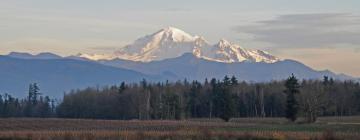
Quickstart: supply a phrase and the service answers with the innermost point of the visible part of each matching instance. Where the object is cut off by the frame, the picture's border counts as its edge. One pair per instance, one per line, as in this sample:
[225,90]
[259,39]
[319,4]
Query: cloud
[306,30]
[339,60]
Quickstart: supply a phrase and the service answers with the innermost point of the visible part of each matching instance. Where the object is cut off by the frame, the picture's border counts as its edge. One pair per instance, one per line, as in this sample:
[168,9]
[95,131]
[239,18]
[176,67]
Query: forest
[214,98]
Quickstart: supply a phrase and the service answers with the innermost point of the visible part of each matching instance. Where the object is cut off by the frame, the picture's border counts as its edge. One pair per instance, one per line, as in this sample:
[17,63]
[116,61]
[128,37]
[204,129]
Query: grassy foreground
[197,129]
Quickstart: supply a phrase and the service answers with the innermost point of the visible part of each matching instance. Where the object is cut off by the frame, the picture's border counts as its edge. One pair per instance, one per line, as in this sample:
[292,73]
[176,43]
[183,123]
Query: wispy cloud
[340,60]
[307,30]
[320,40]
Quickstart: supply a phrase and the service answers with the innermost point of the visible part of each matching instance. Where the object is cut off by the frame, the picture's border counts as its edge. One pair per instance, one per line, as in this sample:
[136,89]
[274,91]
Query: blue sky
[324,34]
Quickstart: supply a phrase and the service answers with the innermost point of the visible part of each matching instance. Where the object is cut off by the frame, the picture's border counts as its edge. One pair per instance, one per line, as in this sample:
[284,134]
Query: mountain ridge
[168,54]
[42,55]
[56,76]
[122,63]
[171,42]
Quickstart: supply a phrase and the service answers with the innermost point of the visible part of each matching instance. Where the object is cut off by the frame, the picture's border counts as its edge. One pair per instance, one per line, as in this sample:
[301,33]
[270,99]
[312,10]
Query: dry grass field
[196,129]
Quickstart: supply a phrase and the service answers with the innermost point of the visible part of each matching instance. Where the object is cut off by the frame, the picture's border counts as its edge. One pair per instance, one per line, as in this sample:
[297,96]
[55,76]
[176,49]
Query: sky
[323,34]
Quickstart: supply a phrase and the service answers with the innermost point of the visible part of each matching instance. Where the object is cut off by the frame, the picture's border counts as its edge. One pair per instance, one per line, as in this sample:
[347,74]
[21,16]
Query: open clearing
[240,128]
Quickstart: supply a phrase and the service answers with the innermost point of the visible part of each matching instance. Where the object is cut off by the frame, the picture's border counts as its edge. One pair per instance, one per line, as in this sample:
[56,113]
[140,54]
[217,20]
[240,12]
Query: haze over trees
[215,98]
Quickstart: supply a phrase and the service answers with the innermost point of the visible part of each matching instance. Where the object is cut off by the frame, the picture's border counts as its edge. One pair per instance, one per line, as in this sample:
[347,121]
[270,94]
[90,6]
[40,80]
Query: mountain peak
[173,34]
[224,43]
[171,42]
[170,28]
[223,40]
[173,30]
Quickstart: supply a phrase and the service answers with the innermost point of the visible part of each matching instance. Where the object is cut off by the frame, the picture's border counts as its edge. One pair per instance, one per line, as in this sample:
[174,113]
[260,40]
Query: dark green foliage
[227,107]
[193,104]
[292,105]
[34,93]
[171,107]
[122,87]
[185,99]
[212,99]
[34,105]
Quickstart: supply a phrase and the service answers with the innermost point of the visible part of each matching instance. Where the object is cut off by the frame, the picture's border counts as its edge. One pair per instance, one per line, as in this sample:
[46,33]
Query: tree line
[35,105]
[215,98]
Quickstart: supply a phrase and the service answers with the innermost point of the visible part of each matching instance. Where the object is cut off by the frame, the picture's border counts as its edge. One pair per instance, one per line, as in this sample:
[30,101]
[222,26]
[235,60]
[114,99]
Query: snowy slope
[227,52]
[94,57]
[171,42]
[166,43]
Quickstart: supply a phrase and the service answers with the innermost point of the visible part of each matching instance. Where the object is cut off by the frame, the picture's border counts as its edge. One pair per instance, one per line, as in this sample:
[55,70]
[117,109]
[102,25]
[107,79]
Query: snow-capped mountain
[227,52]
[166,43]
[171,42]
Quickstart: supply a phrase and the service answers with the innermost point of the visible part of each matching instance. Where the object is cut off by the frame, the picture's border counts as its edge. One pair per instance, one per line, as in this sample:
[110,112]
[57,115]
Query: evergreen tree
[32,104]
[1,105]
[226,101]
[331,81]
[326,81]
[122,87]
[292,88]
[192,104]
[34,93]
[30,93]
[234,81]
[226,81]
[212,98]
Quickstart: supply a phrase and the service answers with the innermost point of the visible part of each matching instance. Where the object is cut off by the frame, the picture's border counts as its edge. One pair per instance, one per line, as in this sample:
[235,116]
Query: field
[196,129]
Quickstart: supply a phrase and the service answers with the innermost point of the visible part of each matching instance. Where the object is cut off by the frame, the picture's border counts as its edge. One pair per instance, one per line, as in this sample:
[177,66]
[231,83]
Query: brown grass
[171,135]
[200,129]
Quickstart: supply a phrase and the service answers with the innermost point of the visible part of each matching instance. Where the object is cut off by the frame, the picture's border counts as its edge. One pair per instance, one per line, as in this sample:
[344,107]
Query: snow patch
[171,42]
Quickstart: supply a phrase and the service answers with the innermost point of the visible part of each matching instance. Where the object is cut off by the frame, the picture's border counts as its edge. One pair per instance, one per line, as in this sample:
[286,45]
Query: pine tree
[226,81]
[1,106]
[34,93]
[30,93]
[292,88]
[192,108]
[226,101]
[234,81]
[326,81]
[122,87]
[212,104]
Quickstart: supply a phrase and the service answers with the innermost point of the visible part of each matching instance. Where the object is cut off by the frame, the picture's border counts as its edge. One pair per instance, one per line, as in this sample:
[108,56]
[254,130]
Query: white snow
[171,42]
[227,52]
[96,57]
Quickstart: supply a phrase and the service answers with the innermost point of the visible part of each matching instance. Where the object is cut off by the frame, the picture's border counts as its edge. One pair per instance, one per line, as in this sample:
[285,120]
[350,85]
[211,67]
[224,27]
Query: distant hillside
[194,68]
[55,76]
